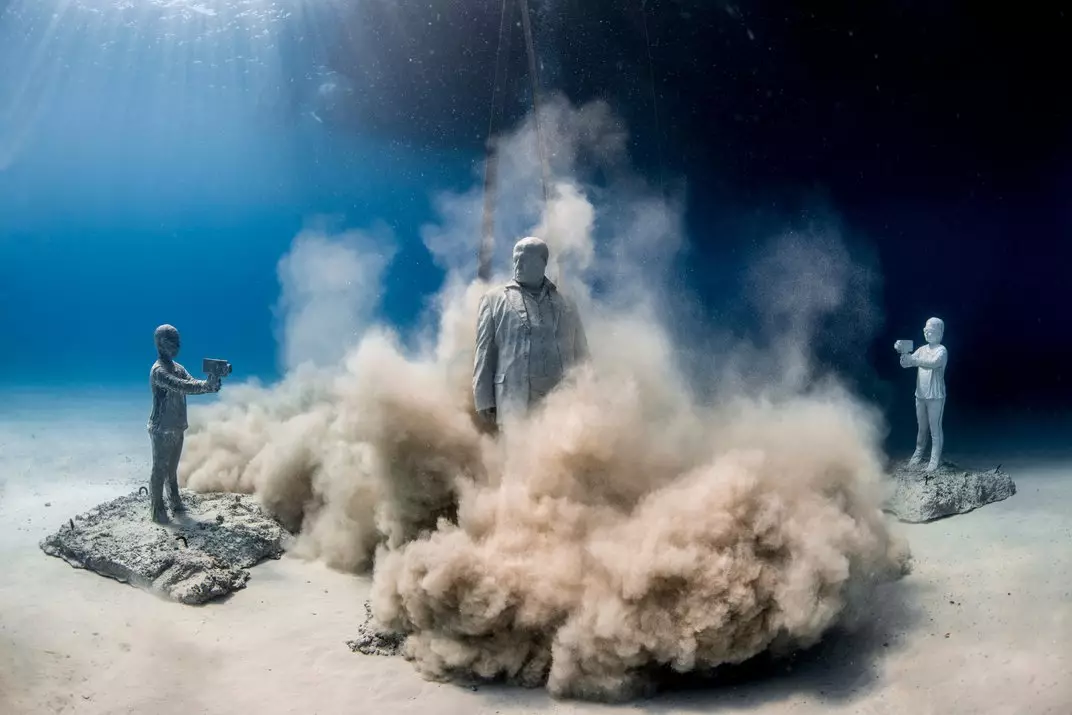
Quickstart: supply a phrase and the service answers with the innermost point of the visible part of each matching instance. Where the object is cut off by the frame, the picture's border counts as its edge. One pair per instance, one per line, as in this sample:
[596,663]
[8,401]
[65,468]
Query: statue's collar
[546,286]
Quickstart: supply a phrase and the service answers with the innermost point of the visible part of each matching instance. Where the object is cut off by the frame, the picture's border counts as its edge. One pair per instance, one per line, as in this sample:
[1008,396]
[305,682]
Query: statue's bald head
[537,245]
[530,261]
[167,340]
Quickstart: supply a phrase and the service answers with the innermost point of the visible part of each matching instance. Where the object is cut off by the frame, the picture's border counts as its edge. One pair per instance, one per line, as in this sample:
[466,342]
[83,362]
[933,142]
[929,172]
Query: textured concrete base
[371,640]
[199,556]
[920,497]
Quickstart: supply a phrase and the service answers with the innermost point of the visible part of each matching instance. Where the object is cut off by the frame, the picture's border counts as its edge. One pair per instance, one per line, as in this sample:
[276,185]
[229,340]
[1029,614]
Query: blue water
[149,177]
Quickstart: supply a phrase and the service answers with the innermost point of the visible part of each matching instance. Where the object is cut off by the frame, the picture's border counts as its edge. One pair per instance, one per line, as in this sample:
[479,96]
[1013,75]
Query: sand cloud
[629,526]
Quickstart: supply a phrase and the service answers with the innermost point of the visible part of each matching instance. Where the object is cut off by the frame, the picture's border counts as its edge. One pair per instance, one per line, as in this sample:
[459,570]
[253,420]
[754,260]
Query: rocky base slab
[201,555]
[919,497]
[372,640]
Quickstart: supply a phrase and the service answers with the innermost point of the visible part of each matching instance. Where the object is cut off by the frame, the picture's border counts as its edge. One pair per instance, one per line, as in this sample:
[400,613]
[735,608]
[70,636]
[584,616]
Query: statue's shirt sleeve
[170,388]
[486,358]
[930,376]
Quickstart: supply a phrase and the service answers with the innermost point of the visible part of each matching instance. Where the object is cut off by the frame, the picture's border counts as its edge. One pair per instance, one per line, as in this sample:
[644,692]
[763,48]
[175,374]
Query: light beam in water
[172,64]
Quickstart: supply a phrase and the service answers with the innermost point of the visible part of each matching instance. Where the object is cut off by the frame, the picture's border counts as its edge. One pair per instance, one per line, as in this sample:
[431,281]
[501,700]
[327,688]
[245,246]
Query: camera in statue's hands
[216,371]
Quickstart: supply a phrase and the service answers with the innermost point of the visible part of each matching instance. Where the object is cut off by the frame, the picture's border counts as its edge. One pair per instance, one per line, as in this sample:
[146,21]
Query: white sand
[983,624]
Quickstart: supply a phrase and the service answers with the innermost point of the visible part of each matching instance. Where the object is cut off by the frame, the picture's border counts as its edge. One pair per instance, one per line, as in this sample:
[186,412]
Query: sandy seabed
[983,624]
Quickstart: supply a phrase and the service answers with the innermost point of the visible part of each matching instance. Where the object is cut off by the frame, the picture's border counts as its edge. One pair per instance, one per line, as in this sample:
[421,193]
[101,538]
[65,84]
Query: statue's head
[934,330]
[530,261]
[167,340]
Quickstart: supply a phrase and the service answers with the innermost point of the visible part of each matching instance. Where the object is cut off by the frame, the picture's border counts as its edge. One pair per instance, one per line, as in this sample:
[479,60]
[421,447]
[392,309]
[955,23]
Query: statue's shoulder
[172,368]
[497,294]
[561,298]
[566,299]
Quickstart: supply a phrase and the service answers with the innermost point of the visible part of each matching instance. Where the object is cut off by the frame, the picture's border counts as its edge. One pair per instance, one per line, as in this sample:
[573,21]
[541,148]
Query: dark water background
[156,161]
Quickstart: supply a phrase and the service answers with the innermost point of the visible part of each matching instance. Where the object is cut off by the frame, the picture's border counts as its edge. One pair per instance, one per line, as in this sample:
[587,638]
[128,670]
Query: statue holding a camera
[931,360]
[170,384]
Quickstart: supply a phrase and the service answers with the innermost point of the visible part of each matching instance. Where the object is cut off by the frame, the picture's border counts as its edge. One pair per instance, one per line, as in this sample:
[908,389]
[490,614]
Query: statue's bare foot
[178,508]
[931,467]
[160,517]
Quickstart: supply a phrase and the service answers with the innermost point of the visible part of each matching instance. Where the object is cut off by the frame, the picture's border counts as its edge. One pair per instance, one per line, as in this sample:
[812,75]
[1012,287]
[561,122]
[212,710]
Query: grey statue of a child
[931,360]
[170,384]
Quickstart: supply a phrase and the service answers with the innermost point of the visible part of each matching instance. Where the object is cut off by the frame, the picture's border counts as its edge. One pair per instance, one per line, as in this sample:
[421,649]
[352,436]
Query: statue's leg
[156,481]
[174,452]
[935,410]
[922,423]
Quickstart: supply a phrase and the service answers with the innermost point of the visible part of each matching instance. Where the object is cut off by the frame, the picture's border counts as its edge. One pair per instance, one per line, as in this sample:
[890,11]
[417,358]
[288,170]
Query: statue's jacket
[170,384]
[503,347]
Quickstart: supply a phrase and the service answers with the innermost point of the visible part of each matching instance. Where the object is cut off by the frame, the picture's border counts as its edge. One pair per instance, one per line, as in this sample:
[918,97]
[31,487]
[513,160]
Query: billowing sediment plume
[616,541]
[626,527]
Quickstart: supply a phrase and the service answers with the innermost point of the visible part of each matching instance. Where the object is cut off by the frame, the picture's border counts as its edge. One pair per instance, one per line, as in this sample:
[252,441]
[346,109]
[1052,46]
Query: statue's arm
[939,359]
[176,383]
[484,363]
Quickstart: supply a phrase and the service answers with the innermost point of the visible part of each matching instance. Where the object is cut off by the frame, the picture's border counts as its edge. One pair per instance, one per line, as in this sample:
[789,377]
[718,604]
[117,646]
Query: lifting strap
[491,159]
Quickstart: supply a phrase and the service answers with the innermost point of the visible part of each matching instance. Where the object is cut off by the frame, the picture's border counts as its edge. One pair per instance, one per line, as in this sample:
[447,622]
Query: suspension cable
[530,48]
[491,157]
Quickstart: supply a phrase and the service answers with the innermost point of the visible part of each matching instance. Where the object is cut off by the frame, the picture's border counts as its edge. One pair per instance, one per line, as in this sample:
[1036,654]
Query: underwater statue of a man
[931,360]
[170,384]
[528,337]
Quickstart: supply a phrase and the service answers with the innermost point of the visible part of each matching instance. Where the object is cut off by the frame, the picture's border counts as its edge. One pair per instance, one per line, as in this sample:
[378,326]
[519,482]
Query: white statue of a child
[931,360]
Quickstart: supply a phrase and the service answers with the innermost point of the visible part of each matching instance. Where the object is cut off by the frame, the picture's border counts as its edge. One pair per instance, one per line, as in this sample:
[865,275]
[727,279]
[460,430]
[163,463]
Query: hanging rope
[491,159]
[530,49]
